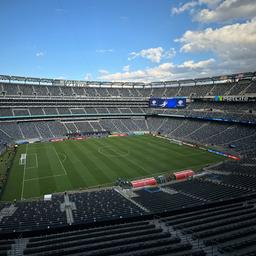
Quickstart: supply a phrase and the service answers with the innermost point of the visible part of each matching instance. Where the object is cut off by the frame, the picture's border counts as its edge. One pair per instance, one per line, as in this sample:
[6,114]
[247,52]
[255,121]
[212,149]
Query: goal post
[23,158]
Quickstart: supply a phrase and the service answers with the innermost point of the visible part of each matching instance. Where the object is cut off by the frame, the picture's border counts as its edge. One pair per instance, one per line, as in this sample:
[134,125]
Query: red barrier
[79,138]
[144,182]
[56,140]
[118,135]
[183,174]
[234,157]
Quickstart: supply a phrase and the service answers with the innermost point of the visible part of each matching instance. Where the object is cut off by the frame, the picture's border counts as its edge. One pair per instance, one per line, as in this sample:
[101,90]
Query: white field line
[119,155]
[33,167]
[23,179]
[65,171]
[45,177]
[36,161]
[65,157]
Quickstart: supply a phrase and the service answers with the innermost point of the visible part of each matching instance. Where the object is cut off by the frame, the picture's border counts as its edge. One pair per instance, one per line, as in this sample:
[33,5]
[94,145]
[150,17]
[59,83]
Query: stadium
[101,167]
[89,147]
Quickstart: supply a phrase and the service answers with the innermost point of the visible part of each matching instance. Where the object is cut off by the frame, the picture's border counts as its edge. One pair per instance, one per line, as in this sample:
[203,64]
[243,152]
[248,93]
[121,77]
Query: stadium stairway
[129,194]
[18,247]
[5,246]
[68,206]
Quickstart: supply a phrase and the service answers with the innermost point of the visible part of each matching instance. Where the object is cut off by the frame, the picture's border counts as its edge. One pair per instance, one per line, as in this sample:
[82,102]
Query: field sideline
[71,165]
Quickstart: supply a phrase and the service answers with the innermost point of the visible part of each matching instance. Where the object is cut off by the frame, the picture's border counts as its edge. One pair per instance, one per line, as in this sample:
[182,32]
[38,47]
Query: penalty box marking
[31,167]
[57,155]
[51,176]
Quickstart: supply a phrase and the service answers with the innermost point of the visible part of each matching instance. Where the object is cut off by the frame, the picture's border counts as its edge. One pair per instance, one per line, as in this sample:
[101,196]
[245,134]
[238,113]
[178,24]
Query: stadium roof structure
[48,81]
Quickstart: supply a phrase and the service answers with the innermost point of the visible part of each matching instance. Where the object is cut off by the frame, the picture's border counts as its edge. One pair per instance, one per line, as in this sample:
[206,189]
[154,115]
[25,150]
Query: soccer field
[71,165]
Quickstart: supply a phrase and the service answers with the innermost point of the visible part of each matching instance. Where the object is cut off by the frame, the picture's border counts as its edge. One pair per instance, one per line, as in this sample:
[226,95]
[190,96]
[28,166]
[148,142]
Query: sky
[127,40]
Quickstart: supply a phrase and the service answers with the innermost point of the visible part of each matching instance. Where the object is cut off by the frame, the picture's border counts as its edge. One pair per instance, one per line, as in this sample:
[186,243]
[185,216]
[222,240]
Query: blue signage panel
[167,103]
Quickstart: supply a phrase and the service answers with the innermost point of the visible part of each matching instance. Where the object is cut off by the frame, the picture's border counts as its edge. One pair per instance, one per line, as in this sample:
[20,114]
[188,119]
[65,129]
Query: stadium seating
[210,214]
[102,205]
[220,228]
[134,238]
[160,201]
[32,215]
[219,134]
[226,229]
[207,190]
[228,88]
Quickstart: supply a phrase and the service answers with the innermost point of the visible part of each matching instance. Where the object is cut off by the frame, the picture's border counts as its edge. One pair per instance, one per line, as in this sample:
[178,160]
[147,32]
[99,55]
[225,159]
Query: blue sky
[126,40]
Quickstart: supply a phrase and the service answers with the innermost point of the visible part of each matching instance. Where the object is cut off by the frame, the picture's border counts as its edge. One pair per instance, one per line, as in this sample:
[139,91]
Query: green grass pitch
[71,165]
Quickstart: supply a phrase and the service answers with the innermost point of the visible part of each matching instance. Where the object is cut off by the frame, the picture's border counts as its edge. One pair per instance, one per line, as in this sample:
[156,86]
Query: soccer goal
[23,158]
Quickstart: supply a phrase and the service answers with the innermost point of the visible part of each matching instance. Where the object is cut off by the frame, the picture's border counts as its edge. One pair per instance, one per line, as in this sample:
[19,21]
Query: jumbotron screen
[167,102]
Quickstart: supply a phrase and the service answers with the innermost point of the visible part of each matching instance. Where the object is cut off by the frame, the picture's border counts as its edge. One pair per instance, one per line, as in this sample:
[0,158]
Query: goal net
[23,158]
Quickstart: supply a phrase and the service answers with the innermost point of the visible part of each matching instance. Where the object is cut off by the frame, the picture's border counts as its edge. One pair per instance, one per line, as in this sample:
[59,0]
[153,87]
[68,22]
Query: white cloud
[165,71]
[210,3]
[228,10]
[159,72]
[218,10]
[236,41]
[104,50]
[190,64]
[169,53]
[126,68]
[184,7]
[192,5]
[233,45]
[40,54]
[153,54]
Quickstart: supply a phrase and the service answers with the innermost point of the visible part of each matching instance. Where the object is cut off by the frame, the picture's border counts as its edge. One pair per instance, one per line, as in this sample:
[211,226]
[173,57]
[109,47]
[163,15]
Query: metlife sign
[167,102]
